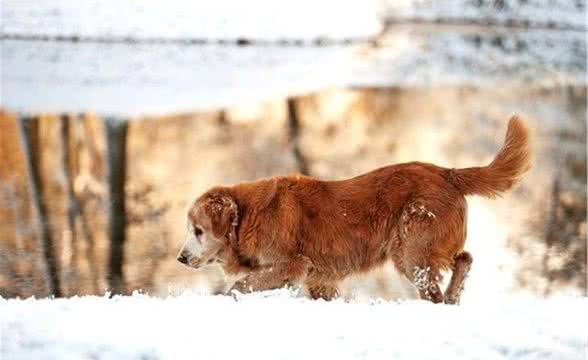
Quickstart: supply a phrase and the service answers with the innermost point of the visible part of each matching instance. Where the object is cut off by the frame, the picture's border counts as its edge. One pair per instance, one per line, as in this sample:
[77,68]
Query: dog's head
[211,223]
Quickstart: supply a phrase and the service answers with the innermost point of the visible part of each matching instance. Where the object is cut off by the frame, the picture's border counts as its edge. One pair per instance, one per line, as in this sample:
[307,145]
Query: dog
[298,230]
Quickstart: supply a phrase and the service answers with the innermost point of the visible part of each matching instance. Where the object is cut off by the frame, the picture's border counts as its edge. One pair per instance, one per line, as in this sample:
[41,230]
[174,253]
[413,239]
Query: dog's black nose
[183,259]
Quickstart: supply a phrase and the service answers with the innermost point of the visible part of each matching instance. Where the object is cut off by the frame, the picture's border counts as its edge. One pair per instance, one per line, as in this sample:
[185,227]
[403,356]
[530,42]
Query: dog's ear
[223,213]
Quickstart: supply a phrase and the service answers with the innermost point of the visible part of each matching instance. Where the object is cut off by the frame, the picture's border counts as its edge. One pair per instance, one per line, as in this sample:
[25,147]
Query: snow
[139,79]
[562,14]
[185,19]
[138,57]
[150,57]
[281,324]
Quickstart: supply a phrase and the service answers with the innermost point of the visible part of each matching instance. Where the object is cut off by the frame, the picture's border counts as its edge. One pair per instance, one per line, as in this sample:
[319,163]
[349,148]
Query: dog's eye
[198,231]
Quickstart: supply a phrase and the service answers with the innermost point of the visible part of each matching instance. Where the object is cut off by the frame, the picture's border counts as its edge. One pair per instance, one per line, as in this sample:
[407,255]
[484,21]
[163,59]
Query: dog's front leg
[267,277]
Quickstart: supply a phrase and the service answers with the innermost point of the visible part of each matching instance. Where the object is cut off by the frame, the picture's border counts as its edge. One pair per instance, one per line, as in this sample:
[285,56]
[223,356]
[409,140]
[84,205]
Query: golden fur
[297,229]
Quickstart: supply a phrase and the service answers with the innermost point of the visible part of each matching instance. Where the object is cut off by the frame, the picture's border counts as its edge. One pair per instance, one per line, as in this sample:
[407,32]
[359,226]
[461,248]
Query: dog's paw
[235,295]
[241,286]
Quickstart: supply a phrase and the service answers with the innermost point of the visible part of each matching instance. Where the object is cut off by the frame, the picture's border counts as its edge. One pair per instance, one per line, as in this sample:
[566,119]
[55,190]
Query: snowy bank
[279,325]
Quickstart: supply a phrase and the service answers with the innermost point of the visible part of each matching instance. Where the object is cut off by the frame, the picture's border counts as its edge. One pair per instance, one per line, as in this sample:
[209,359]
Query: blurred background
[116,115]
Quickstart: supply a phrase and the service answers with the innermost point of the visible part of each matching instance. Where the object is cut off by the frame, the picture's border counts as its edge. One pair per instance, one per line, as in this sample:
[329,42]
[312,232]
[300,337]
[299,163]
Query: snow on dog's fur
[300,230]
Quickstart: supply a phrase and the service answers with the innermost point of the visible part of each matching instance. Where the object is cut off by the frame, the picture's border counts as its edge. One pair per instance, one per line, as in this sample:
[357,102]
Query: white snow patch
[180,19]
[281,325]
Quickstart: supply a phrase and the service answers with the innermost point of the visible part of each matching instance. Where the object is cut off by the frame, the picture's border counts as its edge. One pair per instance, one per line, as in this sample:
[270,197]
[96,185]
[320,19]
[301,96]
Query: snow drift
[281,325]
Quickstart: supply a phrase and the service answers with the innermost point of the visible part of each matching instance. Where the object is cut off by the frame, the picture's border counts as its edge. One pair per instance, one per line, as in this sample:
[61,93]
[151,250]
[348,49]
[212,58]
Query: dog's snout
[183,258]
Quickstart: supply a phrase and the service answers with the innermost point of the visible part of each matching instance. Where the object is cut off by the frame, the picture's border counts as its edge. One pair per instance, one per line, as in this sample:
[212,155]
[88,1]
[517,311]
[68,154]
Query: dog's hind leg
[462,265]
[417,262]
[424,276]
[426,280]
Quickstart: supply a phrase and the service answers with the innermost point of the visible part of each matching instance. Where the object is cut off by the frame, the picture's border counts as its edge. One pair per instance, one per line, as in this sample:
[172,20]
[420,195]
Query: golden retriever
[301,230]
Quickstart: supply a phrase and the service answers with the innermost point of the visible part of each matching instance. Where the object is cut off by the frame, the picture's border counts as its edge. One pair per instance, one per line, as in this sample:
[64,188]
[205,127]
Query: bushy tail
[512,161]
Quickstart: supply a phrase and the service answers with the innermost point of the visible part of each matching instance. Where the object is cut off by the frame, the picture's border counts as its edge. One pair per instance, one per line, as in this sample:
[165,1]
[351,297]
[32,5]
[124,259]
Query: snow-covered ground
[281,325]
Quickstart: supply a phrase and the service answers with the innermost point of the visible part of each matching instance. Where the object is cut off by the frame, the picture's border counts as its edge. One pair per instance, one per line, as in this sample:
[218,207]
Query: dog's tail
[511,162]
